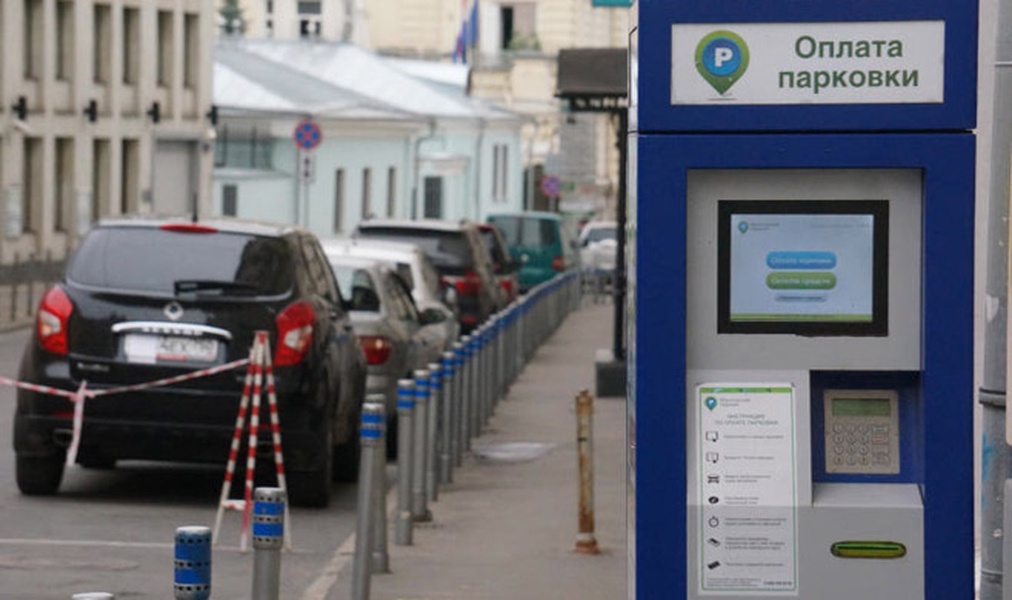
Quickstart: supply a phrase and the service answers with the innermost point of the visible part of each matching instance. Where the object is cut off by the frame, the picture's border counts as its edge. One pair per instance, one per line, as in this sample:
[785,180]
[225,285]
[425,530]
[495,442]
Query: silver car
[396,337]
[417,271]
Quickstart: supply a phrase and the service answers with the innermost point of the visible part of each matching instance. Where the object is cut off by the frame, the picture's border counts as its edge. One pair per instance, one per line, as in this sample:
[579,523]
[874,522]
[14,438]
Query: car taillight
[507,284]
[295,333]
[558,264]
[188,228]
[376,347]
[51,321]
[469,284]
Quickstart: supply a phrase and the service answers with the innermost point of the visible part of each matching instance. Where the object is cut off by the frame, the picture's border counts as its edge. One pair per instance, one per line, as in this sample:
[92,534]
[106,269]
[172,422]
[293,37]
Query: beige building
[105,111]
[513,55]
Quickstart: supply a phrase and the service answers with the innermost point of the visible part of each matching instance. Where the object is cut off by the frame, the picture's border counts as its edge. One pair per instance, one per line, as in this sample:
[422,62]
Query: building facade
[104,112]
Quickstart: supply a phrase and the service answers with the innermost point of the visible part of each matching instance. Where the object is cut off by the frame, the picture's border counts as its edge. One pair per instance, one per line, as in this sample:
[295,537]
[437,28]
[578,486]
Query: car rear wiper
[210,285]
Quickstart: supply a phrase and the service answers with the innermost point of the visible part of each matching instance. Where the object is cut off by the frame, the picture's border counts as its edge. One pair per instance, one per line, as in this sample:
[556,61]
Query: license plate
[152,349]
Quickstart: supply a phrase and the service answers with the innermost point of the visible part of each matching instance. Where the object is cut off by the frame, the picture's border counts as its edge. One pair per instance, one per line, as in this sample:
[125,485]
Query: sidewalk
[506,527]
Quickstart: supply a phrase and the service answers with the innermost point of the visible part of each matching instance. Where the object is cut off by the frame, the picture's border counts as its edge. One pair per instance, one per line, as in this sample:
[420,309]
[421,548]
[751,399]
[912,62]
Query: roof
[340,80]
[370,244]
[419,224]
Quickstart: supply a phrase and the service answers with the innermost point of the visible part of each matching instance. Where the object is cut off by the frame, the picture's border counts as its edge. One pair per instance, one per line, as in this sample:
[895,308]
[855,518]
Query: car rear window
[526,231]
[599,234]
[446,249]
[357,285]
[153,260]
[491,242]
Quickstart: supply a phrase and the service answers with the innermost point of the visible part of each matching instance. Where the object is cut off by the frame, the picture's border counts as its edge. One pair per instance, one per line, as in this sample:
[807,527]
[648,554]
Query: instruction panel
[747,488]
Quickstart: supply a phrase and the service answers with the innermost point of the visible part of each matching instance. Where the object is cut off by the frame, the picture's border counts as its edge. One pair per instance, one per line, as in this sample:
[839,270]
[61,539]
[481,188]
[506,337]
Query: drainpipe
[477,169]
[418,142]
[995,452]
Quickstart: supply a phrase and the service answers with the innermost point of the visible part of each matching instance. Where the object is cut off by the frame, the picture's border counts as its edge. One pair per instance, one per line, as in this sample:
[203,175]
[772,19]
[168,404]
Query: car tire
[347,460]
[39,475]
[310,488]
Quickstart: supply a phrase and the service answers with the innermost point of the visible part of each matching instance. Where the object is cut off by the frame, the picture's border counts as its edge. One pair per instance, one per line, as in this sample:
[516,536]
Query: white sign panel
[808,63]
[747,488]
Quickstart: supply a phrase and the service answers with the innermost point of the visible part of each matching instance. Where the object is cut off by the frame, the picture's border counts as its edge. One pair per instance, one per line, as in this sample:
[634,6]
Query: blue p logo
[721,58]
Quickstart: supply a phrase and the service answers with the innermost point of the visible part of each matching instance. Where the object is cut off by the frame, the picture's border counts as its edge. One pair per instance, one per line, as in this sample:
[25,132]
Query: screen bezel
[879,209]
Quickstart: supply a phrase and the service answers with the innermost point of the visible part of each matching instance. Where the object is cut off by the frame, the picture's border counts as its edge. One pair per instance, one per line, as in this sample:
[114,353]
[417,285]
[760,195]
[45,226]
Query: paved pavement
[506,528]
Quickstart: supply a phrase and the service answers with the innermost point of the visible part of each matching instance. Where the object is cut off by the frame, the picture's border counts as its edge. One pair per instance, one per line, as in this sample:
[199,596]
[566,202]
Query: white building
[104,111]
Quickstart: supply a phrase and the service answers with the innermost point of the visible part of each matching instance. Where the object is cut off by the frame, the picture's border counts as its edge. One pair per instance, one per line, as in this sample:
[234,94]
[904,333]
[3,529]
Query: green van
[543,243]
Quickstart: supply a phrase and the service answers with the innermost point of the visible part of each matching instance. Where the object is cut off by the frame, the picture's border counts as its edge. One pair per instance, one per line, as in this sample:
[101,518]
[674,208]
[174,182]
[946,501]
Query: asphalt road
[113,530]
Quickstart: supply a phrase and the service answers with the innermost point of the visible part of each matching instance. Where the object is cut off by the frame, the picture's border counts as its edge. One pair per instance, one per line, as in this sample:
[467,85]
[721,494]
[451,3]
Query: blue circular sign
[307,135]
[722,56]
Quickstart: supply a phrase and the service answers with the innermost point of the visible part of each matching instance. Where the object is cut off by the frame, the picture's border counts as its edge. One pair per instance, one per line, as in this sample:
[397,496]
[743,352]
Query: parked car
[456,250]
[417,271]
[502,262]
[397,338]
[147,298]
[599,246]
[543,243]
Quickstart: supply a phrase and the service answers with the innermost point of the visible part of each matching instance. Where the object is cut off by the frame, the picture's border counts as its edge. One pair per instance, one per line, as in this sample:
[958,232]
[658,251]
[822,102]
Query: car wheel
[347,459]
[39,475]
[311,488]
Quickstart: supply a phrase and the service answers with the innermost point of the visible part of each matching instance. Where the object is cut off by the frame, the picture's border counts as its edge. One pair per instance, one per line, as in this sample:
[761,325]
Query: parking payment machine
[802,283]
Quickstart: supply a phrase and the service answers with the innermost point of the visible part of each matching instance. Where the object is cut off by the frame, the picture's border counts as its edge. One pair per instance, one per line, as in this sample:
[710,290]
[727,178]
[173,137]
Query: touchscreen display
[803,267]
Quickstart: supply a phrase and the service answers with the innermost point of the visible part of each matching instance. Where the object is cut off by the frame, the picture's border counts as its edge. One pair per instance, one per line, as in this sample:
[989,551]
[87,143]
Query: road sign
[307,135]
[550,186]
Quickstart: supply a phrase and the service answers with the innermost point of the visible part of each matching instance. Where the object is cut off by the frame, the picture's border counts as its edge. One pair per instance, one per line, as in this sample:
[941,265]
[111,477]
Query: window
[500,164]
[166,27]
[102,43]
[65,40]
[310,7]
[433,198]
[64,183]
[229,200]
[309,18]
[33,39]
[309,28]
[32,182]
[242,150]
[391,191]
[339,201]
[518,26]
[129,176]
[131,45]
[191,50]
[366,193]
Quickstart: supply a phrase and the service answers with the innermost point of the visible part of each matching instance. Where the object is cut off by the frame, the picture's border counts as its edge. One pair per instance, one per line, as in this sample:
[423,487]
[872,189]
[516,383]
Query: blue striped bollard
[465,396]
[419,500]
[268,538]
[403,526]
[446,430]
[432,416]
[192,563]
[371,439]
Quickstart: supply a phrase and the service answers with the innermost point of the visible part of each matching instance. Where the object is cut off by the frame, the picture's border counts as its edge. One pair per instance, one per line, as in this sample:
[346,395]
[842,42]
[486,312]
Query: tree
[231,18]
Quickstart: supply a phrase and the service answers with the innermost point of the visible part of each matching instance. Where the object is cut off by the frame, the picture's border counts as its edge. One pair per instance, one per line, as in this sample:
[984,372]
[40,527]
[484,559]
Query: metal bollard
[432,417]
[371,438]
[380,554]
[465,397]
[268,538]
[192,563]
[473,398]
[446,429]
[456,440]
[419,501]
[403,527]
[586,543]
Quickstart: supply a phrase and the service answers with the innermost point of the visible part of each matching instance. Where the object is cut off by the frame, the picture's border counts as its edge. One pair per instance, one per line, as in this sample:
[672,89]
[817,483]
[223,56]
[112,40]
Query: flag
[467,37]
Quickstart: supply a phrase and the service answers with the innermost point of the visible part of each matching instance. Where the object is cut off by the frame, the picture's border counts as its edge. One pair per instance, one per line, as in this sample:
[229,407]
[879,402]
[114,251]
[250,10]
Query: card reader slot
[868,549]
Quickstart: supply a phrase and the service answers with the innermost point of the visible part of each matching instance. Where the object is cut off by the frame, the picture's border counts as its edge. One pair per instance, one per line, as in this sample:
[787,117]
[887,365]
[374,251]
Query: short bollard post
[473,396]
[93,596]
[403,526]
[465,396]
[268,538]
[371,435]
[432,418]
[192,563]
[419,501]
[586,543]
[457,444]
[380,553]
[446,431]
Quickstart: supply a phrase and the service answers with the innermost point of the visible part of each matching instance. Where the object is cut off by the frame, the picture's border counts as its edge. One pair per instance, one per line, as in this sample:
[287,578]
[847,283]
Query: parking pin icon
[722,58]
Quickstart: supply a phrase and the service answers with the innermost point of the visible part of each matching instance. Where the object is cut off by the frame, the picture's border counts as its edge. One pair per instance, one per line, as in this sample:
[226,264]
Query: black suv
[459,255]
[147,298]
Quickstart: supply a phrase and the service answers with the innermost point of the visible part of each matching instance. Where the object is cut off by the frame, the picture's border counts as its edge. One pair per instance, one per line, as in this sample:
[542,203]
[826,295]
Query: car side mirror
[431,316]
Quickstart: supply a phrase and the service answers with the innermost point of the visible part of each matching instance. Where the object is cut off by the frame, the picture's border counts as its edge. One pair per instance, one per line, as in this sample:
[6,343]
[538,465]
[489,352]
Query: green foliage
[232,21]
